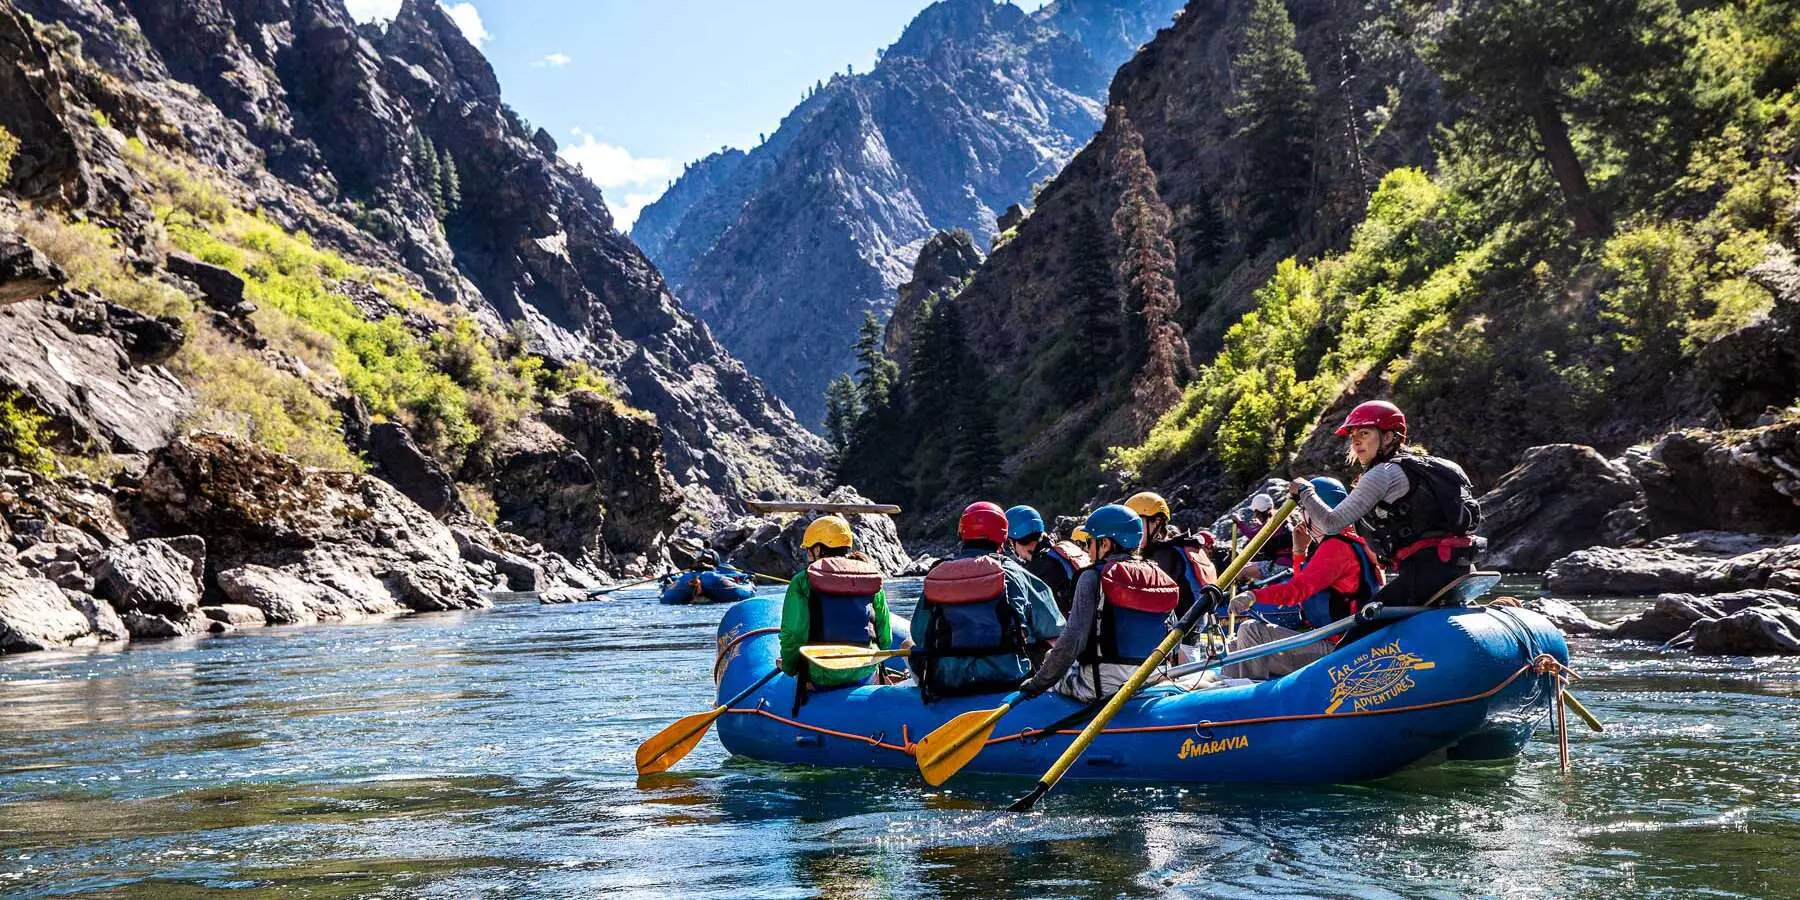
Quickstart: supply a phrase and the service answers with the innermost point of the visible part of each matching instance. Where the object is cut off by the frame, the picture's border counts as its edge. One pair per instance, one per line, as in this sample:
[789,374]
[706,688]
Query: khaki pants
[1255,634]
[1078,683]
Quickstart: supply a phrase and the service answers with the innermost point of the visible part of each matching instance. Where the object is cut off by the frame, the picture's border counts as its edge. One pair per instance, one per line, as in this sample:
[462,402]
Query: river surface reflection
[490,754]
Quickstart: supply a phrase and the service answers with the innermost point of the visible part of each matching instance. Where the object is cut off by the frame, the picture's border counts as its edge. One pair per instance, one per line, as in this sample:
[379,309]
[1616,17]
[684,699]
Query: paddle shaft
[629,584]
[721,708]
[1369,614]
[1582,711]
[1148,668]
[871,656]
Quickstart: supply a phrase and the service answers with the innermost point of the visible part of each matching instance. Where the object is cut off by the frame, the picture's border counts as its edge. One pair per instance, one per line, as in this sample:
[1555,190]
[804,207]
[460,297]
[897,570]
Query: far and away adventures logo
[1378,675]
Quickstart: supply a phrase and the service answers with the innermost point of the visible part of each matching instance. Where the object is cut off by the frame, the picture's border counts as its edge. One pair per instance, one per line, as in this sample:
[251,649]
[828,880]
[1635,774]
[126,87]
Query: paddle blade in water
[670,745]
[945,751]
[845,657]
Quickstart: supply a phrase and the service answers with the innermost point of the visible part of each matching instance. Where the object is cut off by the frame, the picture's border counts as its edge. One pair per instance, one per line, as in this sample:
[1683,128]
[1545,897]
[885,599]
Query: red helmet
[982,521]
[1374,414]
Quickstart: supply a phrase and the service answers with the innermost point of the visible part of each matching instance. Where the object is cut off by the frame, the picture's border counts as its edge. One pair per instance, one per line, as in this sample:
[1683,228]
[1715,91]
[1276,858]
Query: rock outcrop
[348,134]
[974,104]
[401,462]
[24,272]
[945,263]
[302,545]
[1555,501]
[35,614]
[772,546]
[67,355]
[1684,563]
[155,587]
[1745,481]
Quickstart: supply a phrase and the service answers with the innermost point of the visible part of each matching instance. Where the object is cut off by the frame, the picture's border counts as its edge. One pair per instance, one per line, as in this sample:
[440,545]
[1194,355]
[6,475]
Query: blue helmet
[1126,528]
[1023,522]
[1329,490]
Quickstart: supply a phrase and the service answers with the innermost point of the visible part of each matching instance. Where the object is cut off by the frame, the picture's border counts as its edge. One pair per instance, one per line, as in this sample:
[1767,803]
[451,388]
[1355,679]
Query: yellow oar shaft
[1148,668]
[1582,711]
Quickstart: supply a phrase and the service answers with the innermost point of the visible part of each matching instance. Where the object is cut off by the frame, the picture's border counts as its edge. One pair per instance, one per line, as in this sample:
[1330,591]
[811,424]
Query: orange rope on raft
[1543,664]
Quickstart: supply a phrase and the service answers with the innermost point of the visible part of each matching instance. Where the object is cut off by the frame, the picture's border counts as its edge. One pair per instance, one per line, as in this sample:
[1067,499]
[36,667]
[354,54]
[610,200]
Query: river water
[489,754]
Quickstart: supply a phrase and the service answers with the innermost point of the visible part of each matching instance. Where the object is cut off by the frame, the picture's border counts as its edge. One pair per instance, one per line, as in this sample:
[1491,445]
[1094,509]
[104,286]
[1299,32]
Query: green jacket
[796,630]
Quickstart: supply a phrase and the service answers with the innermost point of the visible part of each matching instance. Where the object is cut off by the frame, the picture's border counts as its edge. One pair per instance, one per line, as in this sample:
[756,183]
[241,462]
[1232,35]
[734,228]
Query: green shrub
[9,148]
[23,438]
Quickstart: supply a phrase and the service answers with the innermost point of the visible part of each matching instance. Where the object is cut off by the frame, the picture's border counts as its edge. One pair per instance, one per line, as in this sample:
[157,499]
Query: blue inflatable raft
[708,587]
[1463,684]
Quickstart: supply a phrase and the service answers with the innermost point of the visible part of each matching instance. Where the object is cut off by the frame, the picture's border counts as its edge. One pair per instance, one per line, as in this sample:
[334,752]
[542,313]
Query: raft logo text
[1378,675]
[1191,748]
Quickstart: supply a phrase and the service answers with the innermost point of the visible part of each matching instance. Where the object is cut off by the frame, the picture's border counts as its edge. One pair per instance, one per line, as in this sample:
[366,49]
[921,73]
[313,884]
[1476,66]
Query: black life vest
[841,601]
[1058,565]
[971,616]
[1331,604]
[1439,503]
[1137,599]
[1185,561]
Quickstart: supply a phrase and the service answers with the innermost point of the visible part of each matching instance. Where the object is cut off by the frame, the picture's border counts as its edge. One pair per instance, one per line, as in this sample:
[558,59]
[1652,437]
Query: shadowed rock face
[782,250]
[345,116]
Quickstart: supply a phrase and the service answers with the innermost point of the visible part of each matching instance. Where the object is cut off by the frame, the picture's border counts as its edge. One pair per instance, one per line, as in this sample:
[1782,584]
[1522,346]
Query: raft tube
[713,588]
[1445,684]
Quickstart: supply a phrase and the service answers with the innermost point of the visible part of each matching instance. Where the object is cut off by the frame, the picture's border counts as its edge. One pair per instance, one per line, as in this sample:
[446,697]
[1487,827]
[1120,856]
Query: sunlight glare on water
[490,754]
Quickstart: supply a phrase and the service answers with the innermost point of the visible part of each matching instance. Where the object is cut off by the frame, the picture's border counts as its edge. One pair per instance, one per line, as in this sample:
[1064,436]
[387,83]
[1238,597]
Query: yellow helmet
[1080,535]
[830,531]
[1147,504]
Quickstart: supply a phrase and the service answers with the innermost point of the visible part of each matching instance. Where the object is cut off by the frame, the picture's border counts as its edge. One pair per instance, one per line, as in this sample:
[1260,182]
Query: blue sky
[633,89]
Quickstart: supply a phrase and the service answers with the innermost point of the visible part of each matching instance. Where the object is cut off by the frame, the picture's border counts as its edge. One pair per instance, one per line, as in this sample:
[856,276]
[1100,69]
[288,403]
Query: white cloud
[373,10]
[557,60]
[468,19]
[638,180]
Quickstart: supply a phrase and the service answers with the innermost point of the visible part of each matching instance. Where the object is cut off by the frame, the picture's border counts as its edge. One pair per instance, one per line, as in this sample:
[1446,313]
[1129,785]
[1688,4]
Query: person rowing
[1124,607]
[837,599]
[982,621]
[1418,511]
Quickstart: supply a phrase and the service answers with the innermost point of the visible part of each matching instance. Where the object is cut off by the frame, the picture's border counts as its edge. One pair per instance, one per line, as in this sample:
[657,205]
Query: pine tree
[450,185]
[1273,107]
[1093,337]
[842,409]
[1147,271]
[875,373]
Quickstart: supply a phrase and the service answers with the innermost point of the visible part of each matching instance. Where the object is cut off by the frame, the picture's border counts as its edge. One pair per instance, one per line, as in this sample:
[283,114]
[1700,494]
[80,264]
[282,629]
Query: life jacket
[971,616]
[1071,557]
[1331,604]
[1439,504]
[1185,561]
[841,600]
[1136,599]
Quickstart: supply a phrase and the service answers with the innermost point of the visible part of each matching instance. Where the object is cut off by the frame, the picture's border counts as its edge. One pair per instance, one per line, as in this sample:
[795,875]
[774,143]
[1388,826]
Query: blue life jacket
[1331,604]
[971,617]
[841,600]
[1136,600]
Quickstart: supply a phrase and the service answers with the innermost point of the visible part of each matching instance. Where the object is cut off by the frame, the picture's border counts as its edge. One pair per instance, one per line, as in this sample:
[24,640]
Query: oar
[670,745]
[844,657]
[1582,711]
[601,592]
[946,750]
[1148,668]
[1231,620]
[771,578]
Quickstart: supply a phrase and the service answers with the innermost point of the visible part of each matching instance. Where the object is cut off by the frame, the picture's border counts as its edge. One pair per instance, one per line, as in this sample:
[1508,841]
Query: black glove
[1211,598]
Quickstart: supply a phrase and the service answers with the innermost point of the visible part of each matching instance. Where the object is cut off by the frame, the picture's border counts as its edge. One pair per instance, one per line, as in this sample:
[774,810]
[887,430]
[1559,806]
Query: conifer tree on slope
[1147,271]
[1273,107]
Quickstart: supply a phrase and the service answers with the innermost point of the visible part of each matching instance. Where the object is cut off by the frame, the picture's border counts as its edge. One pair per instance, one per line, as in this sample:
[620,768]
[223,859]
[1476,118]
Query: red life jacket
[1136,600]
[841,600]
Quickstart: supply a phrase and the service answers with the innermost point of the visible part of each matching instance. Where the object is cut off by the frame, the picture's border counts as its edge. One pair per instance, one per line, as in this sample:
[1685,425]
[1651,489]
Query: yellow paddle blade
[1582,711]
[670,745]
[845,657]
[955,743]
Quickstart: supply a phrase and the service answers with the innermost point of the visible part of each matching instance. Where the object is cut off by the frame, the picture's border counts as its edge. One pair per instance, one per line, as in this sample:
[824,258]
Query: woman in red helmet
[1418,511]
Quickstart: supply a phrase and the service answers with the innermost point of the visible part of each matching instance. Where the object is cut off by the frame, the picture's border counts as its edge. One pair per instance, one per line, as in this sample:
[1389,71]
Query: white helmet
[1262,503]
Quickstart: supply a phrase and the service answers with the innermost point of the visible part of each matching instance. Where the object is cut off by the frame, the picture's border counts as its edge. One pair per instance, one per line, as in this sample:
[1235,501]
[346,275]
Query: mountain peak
[953,22]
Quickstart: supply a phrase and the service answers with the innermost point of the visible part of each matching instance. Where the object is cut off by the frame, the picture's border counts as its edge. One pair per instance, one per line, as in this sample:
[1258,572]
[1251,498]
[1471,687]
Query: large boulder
[34,614]
[1757,631]
[1554,502]
[401,462]
[1772,567]
[1668,617]
[1625,572]
[769,547]
[24,272]
[150,577]
[1747,481]
[85,381]
[1565,616]
[302,544]
[221,288]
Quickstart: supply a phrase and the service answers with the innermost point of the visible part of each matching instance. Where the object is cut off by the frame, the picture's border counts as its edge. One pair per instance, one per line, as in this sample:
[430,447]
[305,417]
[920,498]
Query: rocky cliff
[394,146]
[784,248]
